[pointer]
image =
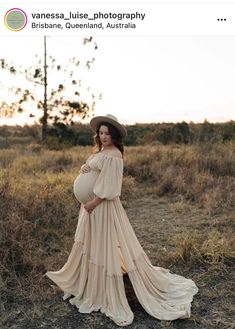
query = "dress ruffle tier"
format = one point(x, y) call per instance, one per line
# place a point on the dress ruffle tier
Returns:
point(105, 247)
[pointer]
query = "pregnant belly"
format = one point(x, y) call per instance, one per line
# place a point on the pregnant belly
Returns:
point(83, 186)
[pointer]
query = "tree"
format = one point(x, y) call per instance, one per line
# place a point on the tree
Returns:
point(181, 132)
point(57, 107)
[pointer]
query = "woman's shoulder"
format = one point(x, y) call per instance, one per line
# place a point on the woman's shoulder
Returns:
point(114, 152)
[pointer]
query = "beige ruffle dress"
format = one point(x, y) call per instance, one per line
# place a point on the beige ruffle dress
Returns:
point(105, 247)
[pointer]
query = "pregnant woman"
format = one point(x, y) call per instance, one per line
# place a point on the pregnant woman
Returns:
point(106, 247)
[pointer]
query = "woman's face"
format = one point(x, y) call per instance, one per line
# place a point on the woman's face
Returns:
point(105, 136)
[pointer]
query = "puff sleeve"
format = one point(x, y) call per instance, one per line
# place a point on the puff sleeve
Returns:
point(109, 182)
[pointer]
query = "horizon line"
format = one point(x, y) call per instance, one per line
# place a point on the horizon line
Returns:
point(127, 124)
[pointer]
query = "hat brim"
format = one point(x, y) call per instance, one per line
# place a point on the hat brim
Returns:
point(97, 120)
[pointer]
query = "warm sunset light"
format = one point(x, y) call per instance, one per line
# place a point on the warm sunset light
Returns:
point(155, 79)
point(117, 176)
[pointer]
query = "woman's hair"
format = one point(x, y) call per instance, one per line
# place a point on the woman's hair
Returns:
point(115, 135)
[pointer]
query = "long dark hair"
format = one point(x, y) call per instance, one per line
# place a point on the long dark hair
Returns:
point(115, 135)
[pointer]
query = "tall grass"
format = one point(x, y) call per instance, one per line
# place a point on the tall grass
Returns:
point(213, 248)
point(39, 212)
point(204, 174)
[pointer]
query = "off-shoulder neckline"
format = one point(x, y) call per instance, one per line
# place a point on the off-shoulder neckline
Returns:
point(108, 155)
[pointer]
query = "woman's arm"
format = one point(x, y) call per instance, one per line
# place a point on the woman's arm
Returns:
point(90, 205)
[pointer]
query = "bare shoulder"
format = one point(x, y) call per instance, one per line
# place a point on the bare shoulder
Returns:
point(115, 152)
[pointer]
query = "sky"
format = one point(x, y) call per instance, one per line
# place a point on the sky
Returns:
point(142, 78)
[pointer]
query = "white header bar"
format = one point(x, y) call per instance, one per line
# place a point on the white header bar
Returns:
point(115, 19)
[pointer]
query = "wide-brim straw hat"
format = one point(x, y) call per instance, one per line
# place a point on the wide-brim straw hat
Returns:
point(110, 119)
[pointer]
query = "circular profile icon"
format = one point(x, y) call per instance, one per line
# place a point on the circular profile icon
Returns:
point(15, 19)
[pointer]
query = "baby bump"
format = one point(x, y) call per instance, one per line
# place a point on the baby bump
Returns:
point(83, 186)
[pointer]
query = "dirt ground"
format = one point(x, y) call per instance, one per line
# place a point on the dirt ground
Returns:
point(156, 222)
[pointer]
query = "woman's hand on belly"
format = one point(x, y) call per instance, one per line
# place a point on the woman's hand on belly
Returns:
point(85, 168)
point(90, 205)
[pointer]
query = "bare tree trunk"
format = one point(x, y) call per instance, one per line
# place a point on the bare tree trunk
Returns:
point(44, 119)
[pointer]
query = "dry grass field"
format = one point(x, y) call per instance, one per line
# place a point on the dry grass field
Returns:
point(180, 202)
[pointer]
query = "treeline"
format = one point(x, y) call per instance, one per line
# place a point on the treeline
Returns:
point(180, 133)
point(138, 134)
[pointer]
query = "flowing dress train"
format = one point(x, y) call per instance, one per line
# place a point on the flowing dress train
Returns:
point(105, 247)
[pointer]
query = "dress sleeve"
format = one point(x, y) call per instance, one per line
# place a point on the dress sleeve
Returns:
point(109, 182)
point(89, 158)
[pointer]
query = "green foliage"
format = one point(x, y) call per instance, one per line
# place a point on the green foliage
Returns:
point(138, 134)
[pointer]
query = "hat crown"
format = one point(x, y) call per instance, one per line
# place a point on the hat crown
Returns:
point(111, 117)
